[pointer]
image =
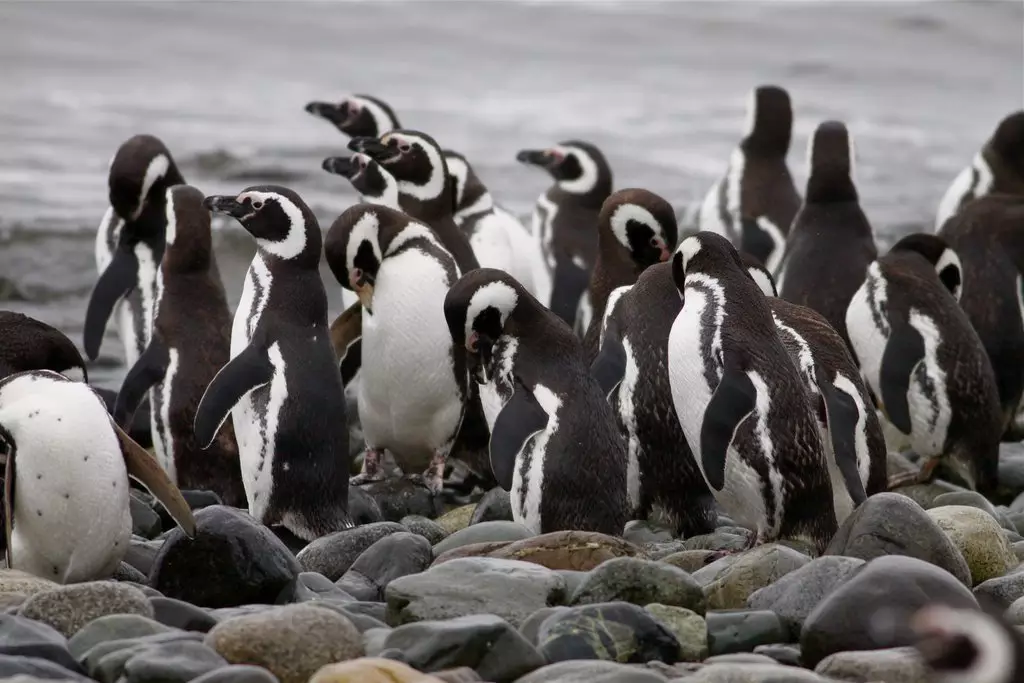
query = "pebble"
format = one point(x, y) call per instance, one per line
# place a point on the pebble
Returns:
point(333, 555)
point(362, 508)
point(576, 550)
point(427, 528)
point(145, 521)
point(531, 625)
point(21, 637)
point(174, 662)
point(979, 538)
point(456, 519)
point(398, 497)
point(796, 594)
point(1011, 469)
point(724, 538)
point(180, 614)
point(690, 560)
point(391, 557)
point(687, 626)
point(242, 561)
point(238, 673)
point(591, 672)
point(17, 582)
point(1015, 612)
point(315, 586)
point(752, 673)
point(141, 553)
point(41, 669)
point(640, 582)
point(484, 532)
point(740, 658)
point(128, 573)
point(898, 665)
point(976, 500)
point(371, 670)
point(641, 532)
point(748, 572)
point(113, 627)
point(612, 631)
point(735, 631)
point(783, 654)
point(1002, 590)
point(496, 505)
point(106, 661)
point(69, 608)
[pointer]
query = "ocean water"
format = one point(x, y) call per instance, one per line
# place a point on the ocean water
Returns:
point(660, 87)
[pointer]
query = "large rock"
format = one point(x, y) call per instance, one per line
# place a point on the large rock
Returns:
point(13, 667)
point(399, 497)
point(371, 670)
point(16, 582)
point(796, 594)
point(735, 631)
point(898, 585)
point(641, 582)
point(892, 524)
point(898, 665)
point(69, 608)
point(233, 560)
point(183, 615)
point(21, 637)
point(576, 550)
point(1002, 590)
point(980, 539)
point(175, 662)
point(730, 581)
point(613, 631)
point(110, 628)
point(506, 588)
point(427, 528)
point(591, 672)
point(391, 557)
point(456, 519)
point(494, 506)
point(106, 660)
point(687, 626)
point(484, 532)
point(334, 554)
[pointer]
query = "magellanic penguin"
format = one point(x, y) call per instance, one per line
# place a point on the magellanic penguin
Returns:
point(553, 445)
point(635, 230)
point(191, 341)
point(129, 244)
point(370, 180)
point(986, 235)
point(831, 244)
point(66, 515)
point(741, 402)
point(30, 344)
point(925, 363)
point(412, 392)
point(357, 115)
point(845, 411)
point(961, 645)
point(565, 220)
point(997, 168)
point(282, 388)
point(755, 203)
point(632, 370)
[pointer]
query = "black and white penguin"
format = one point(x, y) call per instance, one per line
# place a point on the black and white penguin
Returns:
point(968, 645)
point(850, 430)
point(553, 444)
point(191, 342)
point(357, 115)
point(632, 370)
point(635, 230)
point(831, 243)
point(282, 388)
point(565, 220)
point(925, 363)
point(741, 401)
point(754, 204)
point(997, 168)
point(370, 180)
point(412, 393)
point(129, 244)
point(66, 489)
point(986, 235)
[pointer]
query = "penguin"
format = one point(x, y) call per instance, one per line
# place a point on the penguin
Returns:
point(565, 220)
point(755, 202)
point(129, 244)
point(553, 441)
point(282, 387)
point(831, 244)
point(925, 363)
point(66, 489)
point(741, 402)
point(635, 230)
point(631, 368)
point(845, 411)
point(29, 344)
point(997, 168)
point(191, 341)
point(357, 115)
point(370, 180)
point(986, 235)
point(968, 645)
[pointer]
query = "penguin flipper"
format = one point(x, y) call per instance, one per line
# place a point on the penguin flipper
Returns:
point(843, 415)
point(117, 279)
point(520, 419)
point(248, 370)
point(10, 479)
point(610, 365)
point(903, 353)
point(568, 285)
point(149, 369)
point(346, 338)
point(144, 468)
point(734, 399)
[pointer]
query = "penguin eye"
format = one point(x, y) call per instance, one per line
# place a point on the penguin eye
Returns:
point(257, 204)
point(404, 147)
point(654, 242)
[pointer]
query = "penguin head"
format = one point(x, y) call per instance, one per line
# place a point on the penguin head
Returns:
point(769, 122)
point(759, 274)
point(414, 159)
point(140, 170)
point(282, 224)
point(831, 156)
point(578, 167)
point(30, 344)
point(641, 223)
point(966, 645)
point(367, 177)
point(704, 252)
point(937, 252)
point(189, 242)
point(357, 115)
point(1008, 141)
point(478, 309)
point(468, 187)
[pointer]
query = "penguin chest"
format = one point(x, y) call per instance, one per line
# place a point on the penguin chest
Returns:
point(694, 346)
point(867, 324)
point(161, 398)
point(498, 388)
point(544, 227)
point(528, 479)
point(928, 395)
point(491, 244)
point(625, 407)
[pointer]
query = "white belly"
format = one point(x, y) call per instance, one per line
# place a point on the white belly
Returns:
point(627, 419)
point(527, 486)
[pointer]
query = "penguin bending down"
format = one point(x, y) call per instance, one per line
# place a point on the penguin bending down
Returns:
point(850, 431)
point(741, 402)
point(281, 387)
point(553, 441)
point(925, 363)
point(29, 344)
point(968, 645)
point(635, 230)
point(357, 115)
point(412, 392)
point(632, 370)
point(755, 203)
point(191, 341)
point(66, 511)
point(831, 244)
point(565, 220)
point(130, 243)
point(997, 168)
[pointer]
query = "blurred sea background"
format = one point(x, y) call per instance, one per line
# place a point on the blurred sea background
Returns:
point(660, 87)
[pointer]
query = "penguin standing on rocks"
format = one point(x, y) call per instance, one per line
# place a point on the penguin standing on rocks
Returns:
point(635, 230)
point(831, 243)
point(925, 363)
point(191, 341)
point(997, 168)
point(565, 220)
point(357, 115)
point(281, 387)
point(755, 203)
point(553, 444)
point(66, 489)
point(412, 394)
point(741, 402)
point(968, 645)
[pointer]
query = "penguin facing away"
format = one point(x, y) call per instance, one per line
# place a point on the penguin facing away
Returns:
point(925, 363)
point(29, 344)
point(968, 645)
point(553, 441)
point(66, 512)
point(740, 400)
point(282, 388)
point(565, 220)
point(357, 115)
point(190, 342)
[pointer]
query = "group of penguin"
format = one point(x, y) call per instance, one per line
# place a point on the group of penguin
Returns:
point(597, 365)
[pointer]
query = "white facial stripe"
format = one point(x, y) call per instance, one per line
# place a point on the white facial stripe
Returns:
point(609, 308)
point(764, 282)
point(497, 294)
point(436, 182)
point(853, 156)
point(688, 248)
point(634, 212)
point(381, 119)
point(751, 113)
point(460, 171)
point(413, 231)
point(172, 221)
point(588, 177)
point(365, 230)
point(155, 171)
point(295, 241)
point(950, 258)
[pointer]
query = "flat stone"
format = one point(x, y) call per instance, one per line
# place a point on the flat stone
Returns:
point(898, 665)
point(427, 528)
point(371, 670)
point(113, 627)
point(753, 673)
point(641, 532)
point(640, 582)
point(591, 672)
point(334, 554)
point(105, 661)
point(399, 497)
point(496, 505)
point(1002, 590)
point(613, 631)
point(795, 595)
point(183, 615)
point(69, 608)
point(391, 557)
point(748, 572)
point(735, 631)
point(23, 583)
point(690, 560)
point(725, 538)
point(781, 653)
point(21, 637)
point(576, 550)
point(239, 673)
point(176, 662)
point(40, 669)
point(484, 532)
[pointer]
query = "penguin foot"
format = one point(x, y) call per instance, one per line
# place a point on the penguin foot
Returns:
point(426, 481)
point(372, 469)
point(366, 478)
point(922, 476)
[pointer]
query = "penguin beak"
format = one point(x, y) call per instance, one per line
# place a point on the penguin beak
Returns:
point(478, 353)
point(342, 166)
point(367, 145)
point(665, 253)
point(362, 284)
point(545, 158)
point(228, 206)
point(332, 112)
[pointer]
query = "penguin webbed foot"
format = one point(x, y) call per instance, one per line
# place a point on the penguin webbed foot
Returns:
point(433, 477)
point(373, 469)
point(923, 476)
